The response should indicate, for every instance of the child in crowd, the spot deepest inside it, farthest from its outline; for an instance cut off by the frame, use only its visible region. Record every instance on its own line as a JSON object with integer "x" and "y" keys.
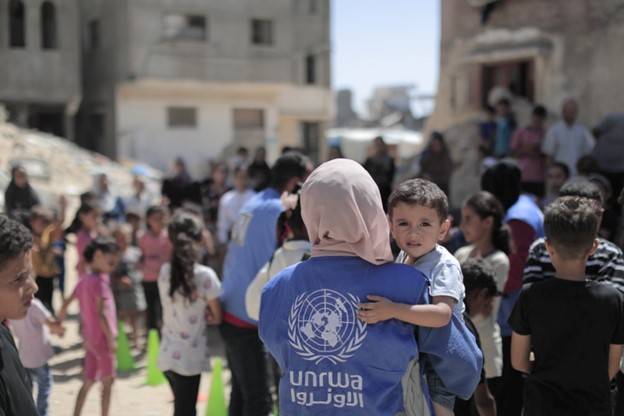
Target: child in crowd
{"x": 156, "y": 251}
{"x": 605, "y": 264}
{"x": 189, "y": 291}
{"x": 574, "y": 326}
{"x": 17, "y": 290}
{"x": 556, "y": 175}
{"x": 418, "y": 215}
{"x": 134, "y": 219}
{"x": 481, "y": 292}
{"x": 98, "y": 320}
{"x": 46, "y": 269}
{"x": 126, "y": 281}
{"x": 85, "y": 226}
{"x": 35, "y": 348}
{"x": 488, "y": 238}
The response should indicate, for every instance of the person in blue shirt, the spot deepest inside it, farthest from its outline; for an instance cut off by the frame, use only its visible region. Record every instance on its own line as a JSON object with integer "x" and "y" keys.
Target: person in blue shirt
{"x": 254, "y": 239}
{"x": 332, "y": 362}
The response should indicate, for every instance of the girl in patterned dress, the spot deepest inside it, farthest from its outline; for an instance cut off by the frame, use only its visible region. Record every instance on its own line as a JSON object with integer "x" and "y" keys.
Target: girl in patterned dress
{"x": 189, "y": 293}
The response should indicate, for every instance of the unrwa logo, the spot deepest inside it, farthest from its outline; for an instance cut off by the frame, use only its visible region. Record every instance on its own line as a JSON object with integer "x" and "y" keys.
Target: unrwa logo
{"x": 323, "y": 325}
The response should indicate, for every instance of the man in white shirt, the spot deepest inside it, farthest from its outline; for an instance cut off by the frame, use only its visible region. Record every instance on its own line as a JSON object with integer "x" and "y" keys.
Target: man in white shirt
{"x": 567, "y": 141}
{"x": 231, "y": 202}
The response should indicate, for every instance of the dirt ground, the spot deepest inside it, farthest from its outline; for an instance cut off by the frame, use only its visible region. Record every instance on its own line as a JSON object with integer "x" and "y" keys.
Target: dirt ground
{"x": 131, "y": 396}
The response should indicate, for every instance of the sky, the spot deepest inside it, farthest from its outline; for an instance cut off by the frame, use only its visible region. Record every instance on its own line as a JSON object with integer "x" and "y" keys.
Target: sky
{"x": 385, "y": 42}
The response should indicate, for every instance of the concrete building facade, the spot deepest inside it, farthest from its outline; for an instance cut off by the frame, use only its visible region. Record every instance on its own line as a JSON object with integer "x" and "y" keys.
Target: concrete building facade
{"x": 198, "y": 78}
{"x": 542, "y": 51}
{"x": 40, "y": 72}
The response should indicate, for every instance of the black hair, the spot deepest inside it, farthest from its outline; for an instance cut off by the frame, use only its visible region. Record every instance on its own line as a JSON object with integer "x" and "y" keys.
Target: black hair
{"x": 571, "y": 225}
{"x": 15, "y": 239}
{"x": 485, "y": 205}
{"x": 587, "y": 165}
{"x": 185, "y": 229}
{"x": 563, "y": 167}
{"x": 540, "y": 111}
{"x": 289, "y": 165}
{"x": 295, "y": 221}
{"x": 582, "y": 188}
{"x": 478, "y": 274}
{"x": 503, "y": 180}
{"x": 102, "y": 244}
{"x": 242, "y": 150}
{"x": 76, "y": 225}
{"x": 504, "y": 101}
{"x": 420, "y": 192}
{"x": 436, "y": 135}
{"x": 153, "y": 210}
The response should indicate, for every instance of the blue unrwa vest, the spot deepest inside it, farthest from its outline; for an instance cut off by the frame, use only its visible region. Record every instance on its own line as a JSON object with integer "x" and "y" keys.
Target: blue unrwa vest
{"x": 253, "y": 242}
{"x": 332, "y": 363}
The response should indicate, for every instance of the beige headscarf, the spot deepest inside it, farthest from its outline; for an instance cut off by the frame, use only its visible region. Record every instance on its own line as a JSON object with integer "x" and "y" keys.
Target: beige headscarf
{"x": 341, "y": 208}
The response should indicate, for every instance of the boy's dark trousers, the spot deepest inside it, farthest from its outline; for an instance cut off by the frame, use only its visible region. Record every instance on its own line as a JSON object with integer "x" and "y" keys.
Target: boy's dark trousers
{"x": 619, "y": 396}
{"x": 154, "y": 308}
{"x": 512, "y": 389}
{"x": 247, "y": 361}
{"x": 46, "y": 289}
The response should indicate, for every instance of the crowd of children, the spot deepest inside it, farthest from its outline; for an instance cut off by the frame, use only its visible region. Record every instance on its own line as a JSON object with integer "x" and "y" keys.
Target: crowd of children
{"x": 149, "y": 271}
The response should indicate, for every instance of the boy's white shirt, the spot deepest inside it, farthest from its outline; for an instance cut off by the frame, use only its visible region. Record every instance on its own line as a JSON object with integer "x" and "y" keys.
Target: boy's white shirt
{"x": 290, "y": 253}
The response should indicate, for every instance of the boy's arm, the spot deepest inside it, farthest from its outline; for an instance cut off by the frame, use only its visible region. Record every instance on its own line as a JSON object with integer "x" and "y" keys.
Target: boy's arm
{"x": 55, "y": 327}
{"x": 520, "y": 350}
{"x": 63, "y": 311}
{"x": 615, "y": 352}
{"x": 484, "y": 401}
{"x": 436, "y": 315}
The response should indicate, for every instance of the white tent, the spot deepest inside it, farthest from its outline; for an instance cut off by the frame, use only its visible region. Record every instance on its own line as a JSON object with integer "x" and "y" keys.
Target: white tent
{"x": 355, "y": 141}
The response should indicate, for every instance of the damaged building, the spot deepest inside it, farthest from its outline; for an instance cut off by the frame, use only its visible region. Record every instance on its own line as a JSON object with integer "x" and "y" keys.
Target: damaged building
{"x": 540, "y": 51}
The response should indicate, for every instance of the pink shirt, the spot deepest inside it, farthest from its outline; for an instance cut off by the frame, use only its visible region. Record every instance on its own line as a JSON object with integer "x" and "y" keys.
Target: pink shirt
{"x": 83, "y": 238}
{"x": 527, "y": 143}
{"x": 33, "y": 336}
{"x": 90, "y": 288}
{"x": 156, "y": 251}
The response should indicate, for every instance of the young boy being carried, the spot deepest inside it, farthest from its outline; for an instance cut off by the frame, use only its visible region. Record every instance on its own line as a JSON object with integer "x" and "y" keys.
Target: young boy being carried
{"x": 574, "y": 326}
{"x": 418, "y": 211}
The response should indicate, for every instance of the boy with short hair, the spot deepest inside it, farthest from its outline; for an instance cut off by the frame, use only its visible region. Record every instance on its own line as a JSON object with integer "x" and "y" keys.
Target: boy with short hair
{"x": 574, "y": 326}
{"x": 17, "y": 289}
{"x": 418, "y": 216}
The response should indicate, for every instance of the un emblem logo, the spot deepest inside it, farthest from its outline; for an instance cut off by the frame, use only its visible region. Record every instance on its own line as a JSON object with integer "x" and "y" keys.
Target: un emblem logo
{"x": 323, "y": 325}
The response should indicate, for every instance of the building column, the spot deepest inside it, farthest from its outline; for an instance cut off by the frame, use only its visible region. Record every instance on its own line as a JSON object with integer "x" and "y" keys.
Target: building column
{"x": 33, "y": 25}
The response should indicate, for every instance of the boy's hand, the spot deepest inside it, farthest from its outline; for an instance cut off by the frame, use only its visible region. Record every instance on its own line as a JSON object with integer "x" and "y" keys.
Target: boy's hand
{"x": 381, "y": 309}
{"x": 126, "y": 281}
{"x": 57, "y": 329}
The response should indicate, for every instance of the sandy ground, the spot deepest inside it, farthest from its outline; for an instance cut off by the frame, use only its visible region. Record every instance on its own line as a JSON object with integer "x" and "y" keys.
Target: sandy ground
{"x": 131, "y": 396}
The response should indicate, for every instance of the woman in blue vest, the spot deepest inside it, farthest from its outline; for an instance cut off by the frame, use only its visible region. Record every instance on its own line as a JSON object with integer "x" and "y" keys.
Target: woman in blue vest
{"x": 331, "y": 362}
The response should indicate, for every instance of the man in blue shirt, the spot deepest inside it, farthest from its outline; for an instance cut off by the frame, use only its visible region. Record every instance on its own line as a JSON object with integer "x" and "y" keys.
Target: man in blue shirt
{"x": 254, "y": 239}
